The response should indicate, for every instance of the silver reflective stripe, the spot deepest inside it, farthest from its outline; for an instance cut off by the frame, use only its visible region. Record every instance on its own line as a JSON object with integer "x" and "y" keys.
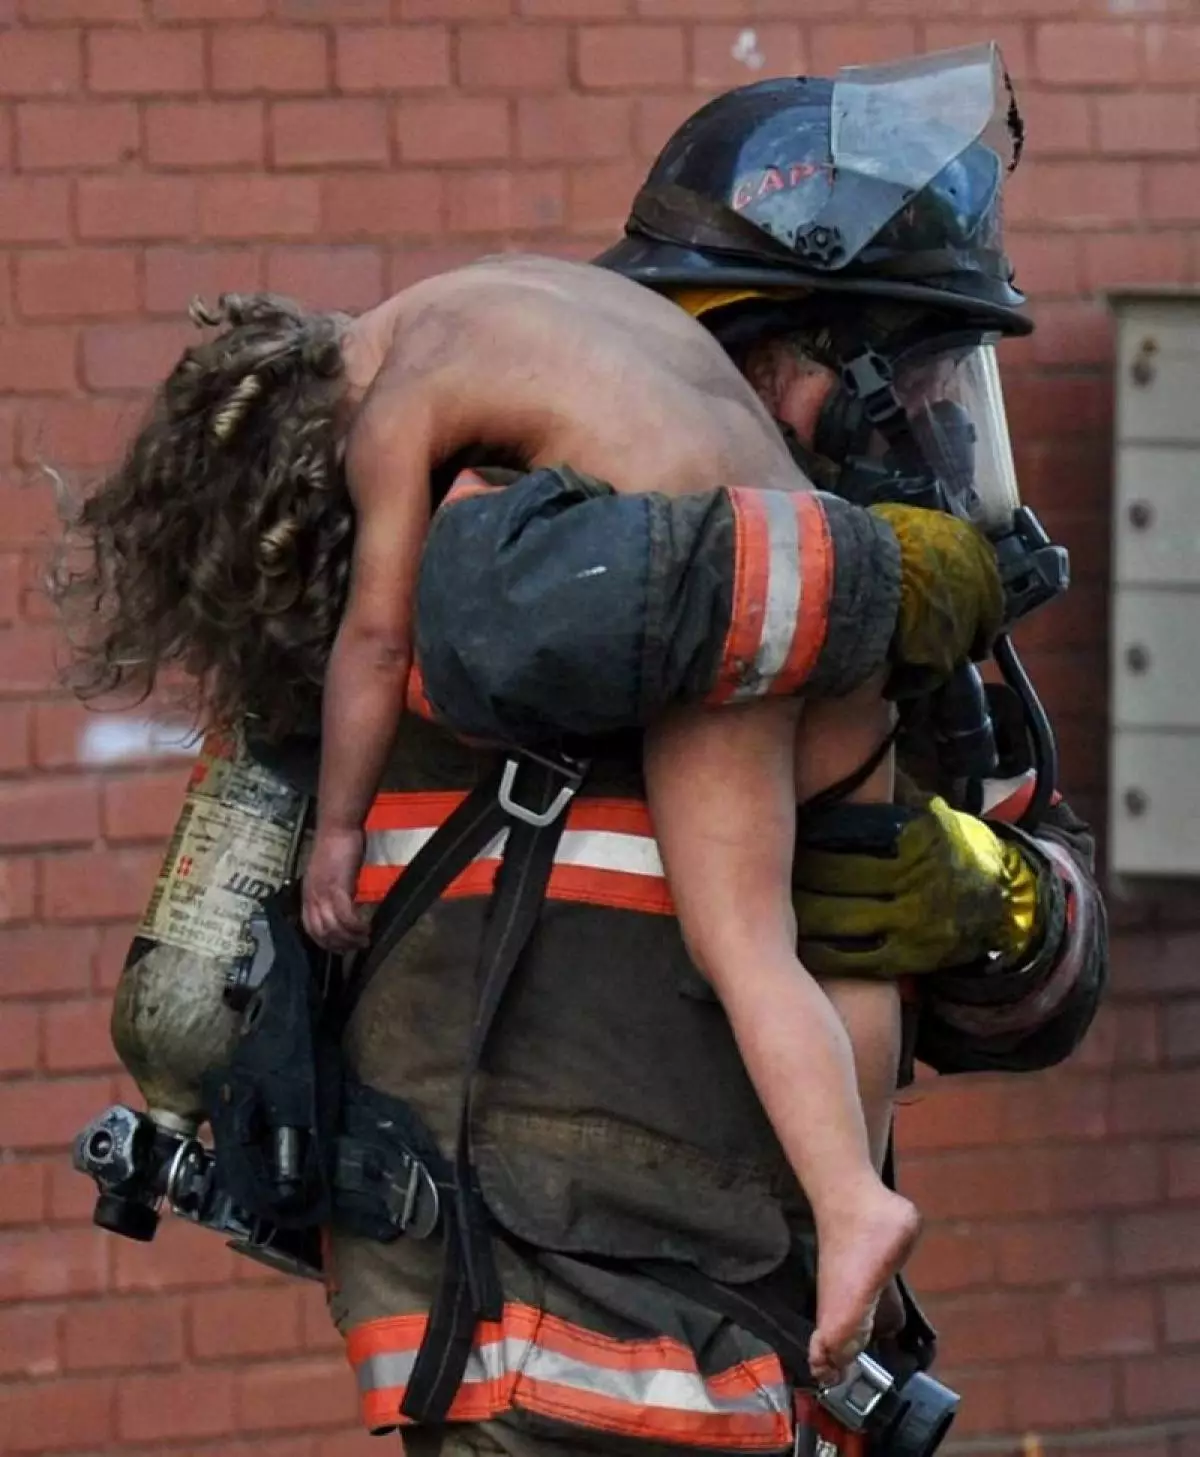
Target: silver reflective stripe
{"x": 610, "y": 850}
{"x": 660, "y": 1389}
{"x": 665, "y": 1390}
{"x": 997, "y": 791}
{"x": 590, "y": 849}
{"x": 386, "y": 1372}
{"x": 399, "y": 847}
{"x": 782, "y": 607}
{"x": 489, "y": 1362}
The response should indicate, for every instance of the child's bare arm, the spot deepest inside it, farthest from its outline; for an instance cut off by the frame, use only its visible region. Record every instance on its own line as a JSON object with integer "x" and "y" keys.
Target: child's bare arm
{"x": 441, "y": 389}
{"x": 387, "y": 466}
{"x": 434, "y": 394}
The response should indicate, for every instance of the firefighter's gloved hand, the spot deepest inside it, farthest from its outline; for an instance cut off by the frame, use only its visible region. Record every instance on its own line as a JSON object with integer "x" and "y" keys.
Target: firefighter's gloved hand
{"x": 884, "y": 891}
{"x": 951, "y": 597}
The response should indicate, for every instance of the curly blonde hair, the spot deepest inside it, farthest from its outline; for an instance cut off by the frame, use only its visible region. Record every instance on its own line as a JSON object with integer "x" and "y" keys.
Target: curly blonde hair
{"x": 221, "y": 544}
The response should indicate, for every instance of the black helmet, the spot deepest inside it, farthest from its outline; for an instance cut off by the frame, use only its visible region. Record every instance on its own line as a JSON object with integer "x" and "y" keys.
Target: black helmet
{"x": 886, "y": 182}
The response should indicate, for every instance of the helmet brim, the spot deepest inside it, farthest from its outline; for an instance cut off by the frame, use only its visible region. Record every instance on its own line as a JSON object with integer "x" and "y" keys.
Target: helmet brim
{"x": 995, "y": 305}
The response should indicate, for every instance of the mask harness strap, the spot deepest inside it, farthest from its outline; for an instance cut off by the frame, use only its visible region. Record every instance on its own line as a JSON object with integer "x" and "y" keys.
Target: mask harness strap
{"x": 836, "y": 793}
{"x": 867, "y": 401}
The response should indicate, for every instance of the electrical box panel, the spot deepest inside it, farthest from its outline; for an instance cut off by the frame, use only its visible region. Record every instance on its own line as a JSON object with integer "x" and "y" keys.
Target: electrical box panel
{"x": 1154, "y": 760}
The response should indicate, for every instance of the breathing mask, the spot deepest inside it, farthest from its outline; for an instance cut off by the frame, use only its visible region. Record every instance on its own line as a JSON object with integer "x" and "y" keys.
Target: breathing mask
{"x": 917, "y": 416}
{"x": 923, "y": 422}
{"x": 928, "y": 417}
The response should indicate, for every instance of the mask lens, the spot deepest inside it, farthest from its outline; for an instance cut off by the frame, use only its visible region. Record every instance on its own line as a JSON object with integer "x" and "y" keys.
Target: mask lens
{"x": 955, "y": 406}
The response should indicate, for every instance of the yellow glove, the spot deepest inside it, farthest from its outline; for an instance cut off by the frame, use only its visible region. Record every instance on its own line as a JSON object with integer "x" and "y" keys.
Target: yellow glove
{"x": 881, "y": 891}
{"x": 951, "y": 598}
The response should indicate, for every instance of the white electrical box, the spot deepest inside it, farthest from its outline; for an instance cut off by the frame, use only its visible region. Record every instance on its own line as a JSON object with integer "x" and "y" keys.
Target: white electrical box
{"x": 1154, "y": 765}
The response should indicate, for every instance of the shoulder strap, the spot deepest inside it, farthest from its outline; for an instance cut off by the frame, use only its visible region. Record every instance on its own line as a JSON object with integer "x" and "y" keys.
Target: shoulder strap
{"x": 469, "y": 1289}
{"x": 488, "y": 810}
{"x": 443, "y": 857}
{"x": 532, "y": 823}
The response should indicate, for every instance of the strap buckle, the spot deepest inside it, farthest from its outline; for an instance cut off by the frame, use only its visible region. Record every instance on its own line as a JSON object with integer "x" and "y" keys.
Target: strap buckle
{"x": 244, "y": 976}
{"x": 868, "y": 378}
{"x": 414, "y": 1204}
{"x": 571, "y": 771}
{"x": 856, "y": 1397}
{"x": 397, "y": 1180}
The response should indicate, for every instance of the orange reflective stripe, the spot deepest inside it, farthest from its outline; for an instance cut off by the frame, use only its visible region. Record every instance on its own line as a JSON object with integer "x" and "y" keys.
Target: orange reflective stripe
{"x": 403, "y": 811}
{"x": 816, "y": 588}
{"x": 745, "y": 1431}
{"x": 610, "y": 888}
{"x": 621, "y": 816}
{"x": 374, "y": 882}
{"x": 543, "y": 1364}
{"x": 751, "y": 544}
{"x": 607, "y": 855}
{"x": 527, "y": 1323}
{"x": 782, "y": 583}
{"x": 567, "y": 883}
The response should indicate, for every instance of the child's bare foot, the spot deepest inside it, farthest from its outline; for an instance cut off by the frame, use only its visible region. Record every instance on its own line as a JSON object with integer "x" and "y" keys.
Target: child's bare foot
{"x": 857, "y": 1255}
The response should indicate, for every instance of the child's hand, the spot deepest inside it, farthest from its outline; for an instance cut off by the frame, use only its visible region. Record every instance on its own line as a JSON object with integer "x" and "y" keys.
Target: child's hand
{"x": 330, "y": 917}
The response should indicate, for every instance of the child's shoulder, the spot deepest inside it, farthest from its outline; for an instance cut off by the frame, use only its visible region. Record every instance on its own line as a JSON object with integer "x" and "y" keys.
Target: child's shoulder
{"x": 488, "y": 318}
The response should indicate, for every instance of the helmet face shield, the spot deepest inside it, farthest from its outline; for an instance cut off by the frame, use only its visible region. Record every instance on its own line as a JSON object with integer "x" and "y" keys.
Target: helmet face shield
{"x": 952, "y": 396}
{"x": 896, "y": 128}
{"x": 934, "y": 128}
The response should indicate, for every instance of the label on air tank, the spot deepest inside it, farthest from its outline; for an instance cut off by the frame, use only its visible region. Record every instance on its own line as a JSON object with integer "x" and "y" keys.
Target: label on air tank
{"x": 234, "y": 843}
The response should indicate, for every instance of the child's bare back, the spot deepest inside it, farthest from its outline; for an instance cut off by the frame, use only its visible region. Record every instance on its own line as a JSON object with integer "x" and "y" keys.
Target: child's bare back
{"x": 560, "y": 362}
{"x": 556, "y": 363}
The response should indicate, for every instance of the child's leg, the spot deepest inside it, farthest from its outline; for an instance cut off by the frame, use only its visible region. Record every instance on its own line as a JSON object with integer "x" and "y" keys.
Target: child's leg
{"x": 835, "y": 738}
{"x": 722, "y": 792}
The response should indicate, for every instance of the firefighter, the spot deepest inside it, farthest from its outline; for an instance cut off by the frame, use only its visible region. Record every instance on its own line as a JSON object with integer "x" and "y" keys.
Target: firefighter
{"x": 613, "y": 1139}
{"x": 556, "y": 1214}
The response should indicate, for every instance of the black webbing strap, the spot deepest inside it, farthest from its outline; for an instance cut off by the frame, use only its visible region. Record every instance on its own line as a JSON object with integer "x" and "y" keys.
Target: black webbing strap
{"x": 766, "y": 1308}
{"x": 442, "y": 858}
{"x": 469, "y": 1289}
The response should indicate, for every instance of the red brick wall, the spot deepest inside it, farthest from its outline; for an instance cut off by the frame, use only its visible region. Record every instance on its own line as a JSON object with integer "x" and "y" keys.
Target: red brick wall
{"x": 335, "y": 149}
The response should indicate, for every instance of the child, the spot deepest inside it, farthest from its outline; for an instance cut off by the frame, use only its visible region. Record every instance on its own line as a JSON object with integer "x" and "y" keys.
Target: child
{"x": 240, "y": 573}
{"x": 553, "y": 362}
